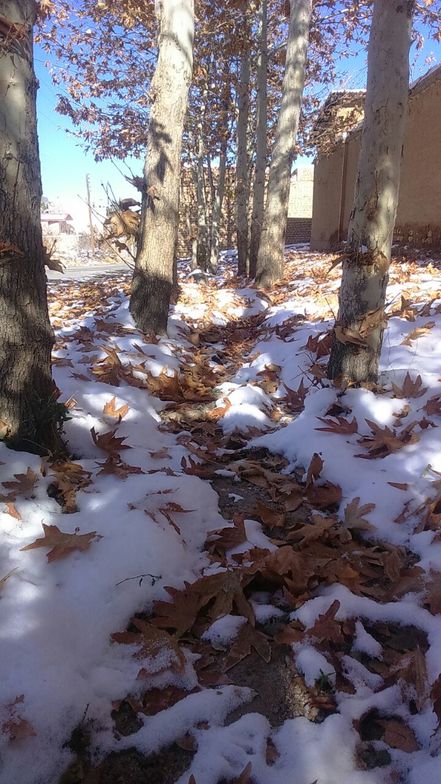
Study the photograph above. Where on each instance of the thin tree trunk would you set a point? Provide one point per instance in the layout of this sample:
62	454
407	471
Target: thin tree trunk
272	243
242	183
261	140
358	332
153	276
217	207
202	236
28	408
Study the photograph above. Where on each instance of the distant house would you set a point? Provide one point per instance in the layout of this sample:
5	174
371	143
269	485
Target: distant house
337	136
300	205
57	223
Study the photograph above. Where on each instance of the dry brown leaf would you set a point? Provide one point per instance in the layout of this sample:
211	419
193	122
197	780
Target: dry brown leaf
339	425
13	511
410	388
110	409
398	735
384	441
23	486
108	442
353	517
62	544
247	639
154	643
433	406
270	517
326	627
419	332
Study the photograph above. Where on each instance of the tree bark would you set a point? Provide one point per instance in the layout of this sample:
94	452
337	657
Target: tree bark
28	407
153	276
217	207
202	231
261	140
272	243
358	331
242	182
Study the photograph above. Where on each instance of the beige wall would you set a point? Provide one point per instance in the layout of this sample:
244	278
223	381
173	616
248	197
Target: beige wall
419	208
301	192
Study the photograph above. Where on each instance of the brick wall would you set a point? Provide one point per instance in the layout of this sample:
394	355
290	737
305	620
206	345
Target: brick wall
298	230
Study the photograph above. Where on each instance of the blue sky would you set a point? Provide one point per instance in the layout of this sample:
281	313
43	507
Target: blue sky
64	162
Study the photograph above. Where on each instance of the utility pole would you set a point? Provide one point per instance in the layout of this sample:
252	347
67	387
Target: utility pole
89	204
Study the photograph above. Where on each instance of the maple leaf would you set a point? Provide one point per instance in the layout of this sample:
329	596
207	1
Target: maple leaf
110	409
24	485
384	441
338	425
270	517
311	532
226	589
417	333
180	613
247	639
411	668
410	388
326	628
315	468
224	539
433	406
108	442
113	465
13	511
353	516
398	735
295	398
62	544
154	643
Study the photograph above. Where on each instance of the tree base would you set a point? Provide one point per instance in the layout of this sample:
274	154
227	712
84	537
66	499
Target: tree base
150	301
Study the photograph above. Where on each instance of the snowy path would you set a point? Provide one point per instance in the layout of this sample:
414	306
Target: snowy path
324	586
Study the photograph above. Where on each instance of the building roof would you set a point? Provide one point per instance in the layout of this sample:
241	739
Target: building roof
332	122
55	217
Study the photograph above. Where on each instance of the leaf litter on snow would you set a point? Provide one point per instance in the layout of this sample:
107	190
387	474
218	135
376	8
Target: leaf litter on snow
287	592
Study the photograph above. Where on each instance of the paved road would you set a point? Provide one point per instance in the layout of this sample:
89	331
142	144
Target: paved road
81	273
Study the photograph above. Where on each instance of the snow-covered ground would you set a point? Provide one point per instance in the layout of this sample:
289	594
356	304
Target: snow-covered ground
144	521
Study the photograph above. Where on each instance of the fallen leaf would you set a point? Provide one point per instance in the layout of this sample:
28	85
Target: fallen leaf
353	516
110	409
270	517
410	388
13	511
23	486
247	639
419	332
338	425
62	544
154	644
398	735
108	442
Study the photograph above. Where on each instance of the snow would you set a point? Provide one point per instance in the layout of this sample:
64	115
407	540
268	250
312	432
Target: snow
57	617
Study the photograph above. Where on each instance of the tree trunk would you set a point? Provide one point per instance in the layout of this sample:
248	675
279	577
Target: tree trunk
202	233
261	140
242	183
358	332
217	208
153	276
28	407
272	243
